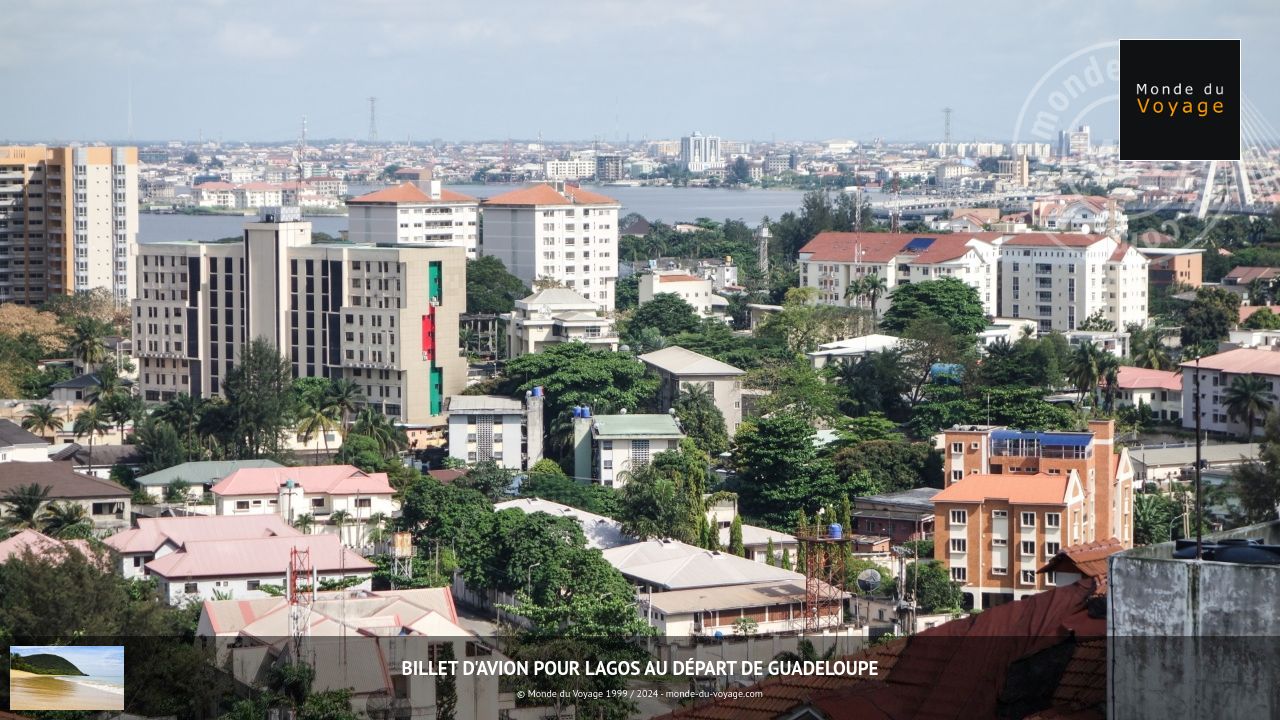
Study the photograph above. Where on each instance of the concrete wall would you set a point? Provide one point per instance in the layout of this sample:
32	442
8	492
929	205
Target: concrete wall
1193	639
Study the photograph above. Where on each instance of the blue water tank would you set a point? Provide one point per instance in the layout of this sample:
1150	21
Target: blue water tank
835	531
537	391
577	411
586	411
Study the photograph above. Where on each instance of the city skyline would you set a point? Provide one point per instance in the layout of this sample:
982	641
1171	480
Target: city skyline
608	71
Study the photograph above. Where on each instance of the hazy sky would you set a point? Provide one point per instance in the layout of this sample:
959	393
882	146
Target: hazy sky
569	69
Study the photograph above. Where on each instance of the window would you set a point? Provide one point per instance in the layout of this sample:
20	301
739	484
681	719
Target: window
1053	520
957	475
1028	577
1051	549
242	505
999	571
1029	547
959	545
999	542
317	502
191	588
606	444
1028	519
959	574
999	514
959	517
608	464
253	584
957	447
137	561
364	502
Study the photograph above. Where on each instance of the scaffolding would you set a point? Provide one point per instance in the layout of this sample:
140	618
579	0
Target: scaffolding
824	554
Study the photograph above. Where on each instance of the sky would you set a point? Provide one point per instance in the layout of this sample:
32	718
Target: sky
86	70
101	660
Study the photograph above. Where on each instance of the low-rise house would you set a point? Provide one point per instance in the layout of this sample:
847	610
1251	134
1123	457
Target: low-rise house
1113	342
997	530
81	387
602	532
106	502
488	427
606	447
318	491
1163	465
371	632
851	350
157	537
237	569
679	369
19	445
901	516
102	461
41	546
756	542
1216	373
199	475
556	315
1160	391
695	290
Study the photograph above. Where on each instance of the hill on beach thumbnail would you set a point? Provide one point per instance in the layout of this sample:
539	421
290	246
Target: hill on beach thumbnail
44	664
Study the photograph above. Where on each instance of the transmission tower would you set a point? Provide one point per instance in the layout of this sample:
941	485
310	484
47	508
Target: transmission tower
946	126
373	119
824	551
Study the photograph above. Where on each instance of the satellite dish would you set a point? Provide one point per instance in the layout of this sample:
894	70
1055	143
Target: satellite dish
379	705
869	579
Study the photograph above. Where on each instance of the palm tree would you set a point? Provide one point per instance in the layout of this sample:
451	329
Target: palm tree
340	518
91	421
1148	348
108	383
873	286
1111	376
66	520
376	531
370	421
304	523
42	419
24	504
317	420
121	408
1087	368
855	289
182	411
1248	396
86	344
344	397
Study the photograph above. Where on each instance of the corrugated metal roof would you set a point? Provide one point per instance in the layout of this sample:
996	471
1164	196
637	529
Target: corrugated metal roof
640	425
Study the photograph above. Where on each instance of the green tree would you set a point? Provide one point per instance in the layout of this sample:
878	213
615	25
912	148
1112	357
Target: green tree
779	470
1257	484
667	313
548	481
177	491
318	417
183	413
664	498
328	705
949	299
932	587
87	345
66	520
159	445
372	422
23	505
1098	322
446	688
700	419
1153	517
305	523
927	342
875	383
491	289
1148	347
362	451
1262	319
889	465
1089	365
626	293
795	386
91	422
488	478
735	537
259	395
344	397
44	420
1209	319
1248	397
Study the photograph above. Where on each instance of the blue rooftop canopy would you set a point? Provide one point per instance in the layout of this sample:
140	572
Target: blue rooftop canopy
1044	438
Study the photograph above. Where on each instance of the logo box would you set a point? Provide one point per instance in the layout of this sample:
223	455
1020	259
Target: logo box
1180	99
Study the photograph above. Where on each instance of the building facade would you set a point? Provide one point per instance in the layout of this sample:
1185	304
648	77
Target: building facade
1216	373
408	215
501	429
680	369
696	291
699	153
556	232
607	447
556	315
385	318
1062	279
68	221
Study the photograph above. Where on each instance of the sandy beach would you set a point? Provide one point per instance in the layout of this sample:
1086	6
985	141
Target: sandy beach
28	691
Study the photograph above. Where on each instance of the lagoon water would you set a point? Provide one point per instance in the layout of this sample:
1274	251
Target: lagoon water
668	204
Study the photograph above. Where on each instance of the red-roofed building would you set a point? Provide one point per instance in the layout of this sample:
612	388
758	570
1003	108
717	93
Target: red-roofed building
157	537
408	214
319	491
833	261
1061	279
1217	372
556	231
1015	498
1160	391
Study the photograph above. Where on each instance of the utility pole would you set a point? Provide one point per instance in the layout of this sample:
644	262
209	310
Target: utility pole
1199	499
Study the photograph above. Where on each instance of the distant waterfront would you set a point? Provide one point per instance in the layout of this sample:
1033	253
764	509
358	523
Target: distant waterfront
668	204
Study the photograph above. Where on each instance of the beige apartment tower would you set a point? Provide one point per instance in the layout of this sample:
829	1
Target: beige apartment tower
68	221
385	318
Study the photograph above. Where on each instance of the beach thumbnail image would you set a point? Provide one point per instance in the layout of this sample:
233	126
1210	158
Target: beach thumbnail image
66	677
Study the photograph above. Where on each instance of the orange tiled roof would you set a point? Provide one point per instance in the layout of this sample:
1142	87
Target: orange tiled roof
409	193
1037	489
1075	240
544	194
1088	559
1133	378
833	246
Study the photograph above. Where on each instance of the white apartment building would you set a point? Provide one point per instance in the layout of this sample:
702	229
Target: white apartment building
384	317
407	215
696	291
68	221
556	315
501	429
556	232
1079	214
1059	280
1216	374
680	368
578	168
607	447
1159	391
833	261
699	153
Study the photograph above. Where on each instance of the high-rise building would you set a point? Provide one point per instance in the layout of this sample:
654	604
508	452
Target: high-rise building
1075	143
700	152
68	221
608	168
413	215
385	318
556	232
